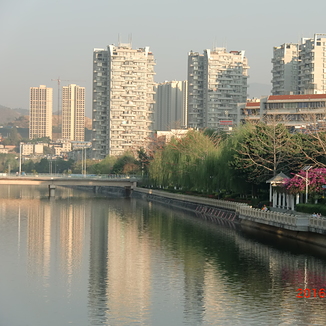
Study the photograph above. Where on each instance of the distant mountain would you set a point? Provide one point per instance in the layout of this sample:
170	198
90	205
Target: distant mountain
22	111
259	90
8	115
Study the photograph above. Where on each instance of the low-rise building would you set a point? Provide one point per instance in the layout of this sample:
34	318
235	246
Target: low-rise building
61	147
3	150
80	150
249	111
297	112
166	136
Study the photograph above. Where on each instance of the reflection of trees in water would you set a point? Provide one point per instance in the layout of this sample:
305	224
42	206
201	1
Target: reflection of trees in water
127	237
232	260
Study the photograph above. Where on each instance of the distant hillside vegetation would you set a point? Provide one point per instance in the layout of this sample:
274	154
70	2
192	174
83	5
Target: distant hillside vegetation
20	118
8	115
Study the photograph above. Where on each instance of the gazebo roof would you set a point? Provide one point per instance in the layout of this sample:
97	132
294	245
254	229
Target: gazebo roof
278	179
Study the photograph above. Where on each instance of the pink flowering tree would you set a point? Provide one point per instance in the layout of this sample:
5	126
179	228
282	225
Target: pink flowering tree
316	179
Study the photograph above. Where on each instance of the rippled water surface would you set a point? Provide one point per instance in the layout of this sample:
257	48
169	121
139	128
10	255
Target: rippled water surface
82	260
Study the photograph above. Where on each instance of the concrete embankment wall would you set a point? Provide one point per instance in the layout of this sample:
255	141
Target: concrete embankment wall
196	204
158	195
309	237
175	199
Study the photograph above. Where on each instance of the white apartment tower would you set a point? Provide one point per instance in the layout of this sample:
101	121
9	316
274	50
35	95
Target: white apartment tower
170	109
300	68
73	112
217	82
123	99
285	69
312	65
40	112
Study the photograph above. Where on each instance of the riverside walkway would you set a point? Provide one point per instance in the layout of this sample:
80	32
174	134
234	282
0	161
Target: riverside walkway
290	220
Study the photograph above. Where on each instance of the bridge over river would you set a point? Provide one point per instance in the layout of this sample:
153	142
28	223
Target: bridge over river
65	180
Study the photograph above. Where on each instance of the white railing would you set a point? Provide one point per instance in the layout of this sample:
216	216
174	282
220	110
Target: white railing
72	176
317	223
232	206
284	220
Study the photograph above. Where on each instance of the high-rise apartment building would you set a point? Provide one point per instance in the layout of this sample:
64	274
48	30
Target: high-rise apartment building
73	112
300	68
40	112
123	99
285	69
170	109
217	82
312	65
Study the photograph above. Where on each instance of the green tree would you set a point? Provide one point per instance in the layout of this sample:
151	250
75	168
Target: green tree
143	161
126	164
13	138
100	167
8	163
188	163
43	166
262	151
28	166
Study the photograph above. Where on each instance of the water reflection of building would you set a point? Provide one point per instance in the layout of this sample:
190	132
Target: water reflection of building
98	257
39	238
119	264
293	271
49	224
72	238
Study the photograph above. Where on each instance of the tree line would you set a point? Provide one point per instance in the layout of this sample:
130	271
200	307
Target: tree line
207	161
241	162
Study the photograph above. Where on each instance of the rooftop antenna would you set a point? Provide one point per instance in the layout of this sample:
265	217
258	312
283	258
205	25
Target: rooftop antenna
118	39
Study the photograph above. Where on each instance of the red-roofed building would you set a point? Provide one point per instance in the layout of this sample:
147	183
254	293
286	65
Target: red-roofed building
295	111
249	111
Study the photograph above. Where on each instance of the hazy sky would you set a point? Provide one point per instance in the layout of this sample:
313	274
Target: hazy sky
44	40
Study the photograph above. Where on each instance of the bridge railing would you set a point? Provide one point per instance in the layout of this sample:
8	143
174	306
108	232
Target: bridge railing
77	176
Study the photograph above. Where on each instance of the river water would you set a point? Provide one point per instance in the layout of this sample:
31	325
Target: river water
81	259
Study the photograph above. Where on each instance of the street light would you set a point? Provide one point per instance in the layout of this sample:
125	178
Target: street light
307	168
20	158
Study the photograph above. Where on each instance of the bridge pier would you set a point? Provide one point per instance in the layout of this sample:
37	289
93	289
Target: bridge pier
51	190
128	191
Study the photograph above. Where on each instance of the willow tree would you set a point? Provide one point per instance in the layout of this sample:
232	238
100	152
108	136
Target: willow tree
185	163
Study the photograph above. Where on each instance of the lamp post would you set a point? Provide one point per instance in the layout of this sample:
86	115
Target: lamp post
85	152
20	158
307	168
84	158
